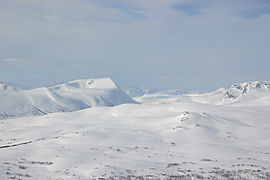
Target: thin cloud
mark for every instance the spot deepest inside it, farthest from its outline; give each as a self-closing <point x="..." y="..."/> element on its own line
<point x="254" y="9"/>
<point x="127" y="39"/>
<point x="130" y="10"/>
<point x="16" y="60"/>
<point x="187" y="8"/>
<point x="239" y="8"/>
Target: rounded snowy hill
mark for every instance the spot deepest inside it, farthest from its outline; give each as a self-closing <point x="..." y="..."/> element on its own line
<point x="70" y="96"/>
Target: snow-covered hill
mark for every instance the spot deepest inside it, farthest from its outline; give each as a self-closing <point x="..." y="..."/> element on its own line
<point x="70" y="96"/>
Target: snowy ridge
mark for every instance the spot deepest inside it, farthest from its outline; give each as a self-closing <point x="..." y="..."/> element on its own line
<point x="70" y="96"/>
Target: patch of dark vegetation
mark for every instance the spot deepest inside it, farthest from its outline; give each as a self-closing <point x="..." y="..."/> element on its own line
<point x="22" y="167"/>
<point x="216" y="173"/>
<point x="36" y="162"/>
<point x="172" y="165"/>
<point x="14" y="145"/>
<point x="206" y="160"/>
<point x="240" y="174"/>
<point x="41" y="163"/>
<point x="178" y="127"/>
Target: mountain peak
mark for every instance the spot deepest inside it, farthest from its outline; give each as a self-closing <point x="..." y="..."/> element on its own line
<point x="239" y="90"/>
<point x="100" y="83"/>
<point x="251" y="85"/>
<point x="6" y="87"/>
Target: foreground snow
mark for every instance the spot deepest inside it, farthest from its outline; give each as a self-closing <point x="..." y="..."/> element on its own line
<point x="222" y="134"/>
<point x="160" y="138"/>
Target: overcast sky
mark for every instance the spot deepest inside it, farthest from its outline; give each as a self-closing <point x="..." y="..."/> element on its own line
<point x="159" y="44"/>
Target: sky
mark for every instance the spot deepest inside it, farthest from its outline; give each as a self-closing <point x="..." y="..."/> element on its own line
<point x="156" y="44"/>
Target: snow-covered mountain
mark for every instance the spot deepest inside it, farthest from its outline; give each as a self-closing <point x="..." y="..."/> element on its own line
<point x="81" y="94"/>
<point x="70" y="96"/>
<point x="246" y="93"/>
<point x="241" y="90"/>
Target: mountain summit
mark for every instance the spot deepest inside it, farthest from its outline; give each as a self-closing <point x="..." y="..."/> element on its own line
<point x="6" y="87"/>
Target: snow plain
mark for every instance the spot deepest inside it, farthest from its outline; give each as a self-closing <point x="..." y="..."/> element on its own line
<point x="219" y="135"/>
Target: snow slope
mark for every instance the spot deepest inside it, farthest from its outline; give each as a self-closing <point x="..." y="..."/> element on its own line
<point x="164" y="137"/>
<point x="70" y="96"/>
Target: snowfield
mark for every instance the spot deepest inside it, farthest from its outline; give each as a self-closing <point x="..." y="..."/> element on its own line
<point x="219" y="135"/>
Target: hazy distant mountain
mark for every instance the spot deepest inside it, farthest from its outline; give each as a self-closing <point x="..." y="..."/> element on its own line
<point x="134" y="91"/>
